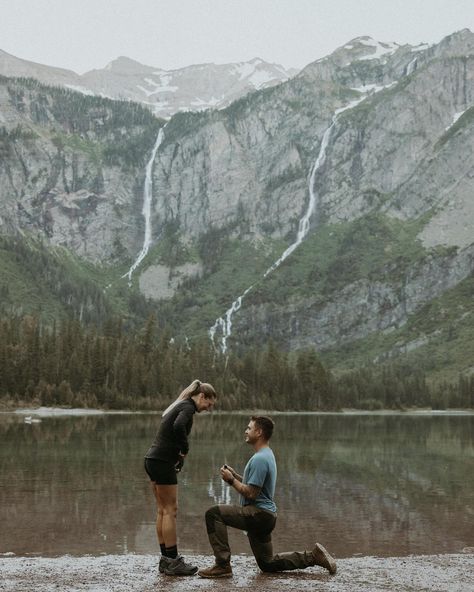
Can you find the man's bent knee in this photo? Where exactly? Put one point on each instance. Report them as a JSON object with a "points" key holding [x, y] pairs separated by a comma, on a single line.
{"points": [[212, 515]]}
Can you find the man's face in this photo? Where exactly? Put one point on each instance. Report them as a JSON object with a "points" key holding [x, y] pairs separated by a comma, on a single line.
{"points": [[252, 433]]}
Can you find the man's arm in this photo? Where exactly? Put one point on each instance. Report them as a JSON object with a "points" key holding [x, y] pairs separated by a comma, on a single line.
{"points": [[248, 491]]}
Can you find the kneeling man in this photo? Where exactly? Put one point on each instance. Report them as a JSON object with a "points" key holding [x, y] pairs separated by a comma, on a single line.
{"points": [[257, 512]]}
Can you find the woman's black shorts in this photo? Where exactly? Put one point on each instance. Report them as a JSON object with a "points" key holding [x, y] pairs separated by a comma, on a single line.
{"points": [[161, 472]]}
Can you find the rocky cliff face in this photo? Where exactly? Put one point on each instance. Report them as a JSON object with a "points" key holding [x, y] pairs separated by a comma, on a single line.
{"points": [[259, 152], [361, 308], [395, 126], [72, 168], [404, 150]]}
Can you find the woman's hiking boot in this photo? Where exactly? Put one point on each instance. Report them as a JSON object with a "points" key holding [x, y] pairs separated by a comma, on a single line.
{"points": [[164, 561], [178, 567]]}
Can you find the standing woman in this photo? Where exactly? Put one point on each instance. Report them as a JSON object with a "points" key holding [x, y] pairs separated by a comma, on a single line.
{"points": [[165, 459]]}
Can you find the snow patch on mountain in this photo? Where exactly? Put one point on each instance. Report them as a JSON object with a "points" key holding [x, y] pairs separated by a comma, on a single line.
{"points": [[456, 116], [201, 103], [420, 47], [371, 88], [381, 49], [81, 89]]}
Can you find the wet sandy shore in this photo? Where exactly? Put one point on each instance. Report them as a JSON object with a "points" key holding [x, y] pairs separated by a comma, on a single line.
{"points": [[138, 573]]}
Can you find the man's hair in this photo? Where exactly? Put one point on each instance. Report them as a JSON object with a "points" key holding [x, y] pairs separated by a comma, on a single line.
{"points": [[265, 424]]}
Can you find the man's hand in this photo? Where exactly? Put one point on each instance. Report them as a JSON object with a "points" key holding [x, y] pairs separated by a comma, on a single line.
{"points": [[227, 474], [229, 468]]}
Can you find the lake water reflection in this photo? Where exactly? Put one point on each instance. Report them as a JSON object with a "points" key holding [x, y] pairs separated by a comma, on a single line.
{"points": [[361, 484]]}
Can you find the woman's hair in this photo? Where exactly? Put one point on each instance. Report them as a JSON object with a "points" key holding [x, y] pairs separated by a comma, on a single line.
{"points": [[194, 388]]}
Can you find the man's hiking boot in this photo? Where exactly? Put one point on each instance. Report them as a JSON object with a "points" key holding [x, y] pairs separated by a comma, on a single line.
{"points": [[324, 559], [216, 571], [178, 567], [164, 561]]}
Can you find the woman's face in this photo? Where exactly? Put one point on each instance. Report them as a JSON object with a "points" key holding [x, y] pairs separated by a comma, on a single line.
{"points": [[203, 403]]}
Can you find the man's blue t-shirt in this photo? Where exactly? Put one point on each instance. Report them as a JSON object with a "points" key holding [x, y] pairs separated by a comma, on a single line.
{"points": [[261, 471]]}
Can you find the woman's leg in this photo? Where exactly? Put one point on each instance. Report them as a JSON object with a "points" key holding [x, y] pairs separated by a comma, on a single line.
{"points": [[159, 517], [167, 503], [167, 500]]}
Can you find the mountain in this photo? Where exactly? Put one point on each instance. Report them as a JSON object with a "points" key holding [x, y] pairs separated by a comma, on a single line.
{"points": [[333, 210], [16, 67], [165, 92]]}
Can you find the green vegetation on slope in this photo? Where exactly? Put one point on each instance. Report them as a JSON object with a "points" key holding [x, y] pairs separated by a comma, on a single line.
{"points": [[230, 266], [114, 133], [372, 247], [52, 283]]}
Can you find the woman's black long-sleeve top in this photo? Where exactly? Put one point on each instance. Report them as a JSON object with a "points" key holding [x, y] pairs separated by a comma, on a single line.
{"points": [[172, 435]]}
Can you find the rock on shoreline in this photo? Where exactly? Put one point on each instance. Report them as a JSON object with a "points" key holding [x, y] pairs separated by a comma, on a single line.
{"points": [[139, 573]]}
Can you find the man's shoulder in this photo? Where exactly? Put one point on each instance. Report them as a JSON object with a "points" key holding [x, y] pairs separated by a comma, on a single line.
{"points": [[264, 455]]}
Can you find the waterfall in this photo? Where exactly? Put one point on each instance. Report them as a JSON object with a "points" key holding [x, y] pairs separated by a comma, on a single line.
{"points": [[411, 67], [146, 209], [225, 323]]}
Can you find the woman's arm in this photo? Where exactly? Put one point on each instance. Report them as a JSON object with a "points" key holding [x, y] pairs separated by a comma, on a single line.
{"points": [[180, 429]]}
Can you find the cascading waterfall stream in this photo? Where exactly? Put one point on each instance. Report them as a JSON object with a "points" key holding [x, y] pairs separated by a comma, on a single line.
{"points": [[411, 67], [146, 209], [225, 323]]}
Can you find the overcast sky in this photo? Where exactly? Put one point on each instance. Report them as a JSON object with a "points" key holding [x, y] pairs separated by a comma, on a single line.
{"points": [[84, 34]]}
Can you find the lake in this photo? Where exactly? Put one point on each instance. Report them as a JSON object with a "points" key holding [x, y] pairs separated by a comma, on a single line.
{"points": [[361, 484]]}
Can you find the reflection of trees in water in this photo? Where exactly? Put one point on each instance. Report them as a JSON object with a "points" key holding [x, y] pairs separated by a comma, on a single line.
{"points": [[78, 485], [80, 481]]}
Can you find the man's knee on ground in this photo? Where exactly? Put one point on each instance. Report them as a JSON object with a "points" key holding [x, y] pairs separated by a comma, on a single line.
{"points": [[267, 566], [212, 515]]}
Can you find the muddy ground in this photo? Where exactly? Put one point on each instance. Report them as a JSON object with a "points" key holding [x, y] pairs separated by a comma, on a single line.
{"points": [[139, 573]]}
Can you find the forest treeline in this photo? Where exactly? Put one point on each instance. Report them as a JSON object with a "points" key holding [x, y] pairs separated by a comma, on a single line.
{"points": [[74, 365]]}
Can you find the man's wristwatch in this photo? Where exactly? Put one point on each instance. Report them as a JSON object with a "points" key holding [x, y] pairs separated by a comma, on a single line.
{"points": [[231, 481]]}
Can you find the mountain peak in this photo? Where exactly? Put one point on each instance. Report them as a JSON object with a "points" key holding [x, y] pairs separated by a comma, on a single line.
{"points": [[459, 43], [364, 39], [125, 65], [370, 42]]}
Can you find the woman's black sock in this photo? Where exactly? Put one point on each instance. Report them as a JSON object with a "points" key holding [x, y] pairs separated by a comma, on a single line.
{"points": [[172, 552], [163, 549]]}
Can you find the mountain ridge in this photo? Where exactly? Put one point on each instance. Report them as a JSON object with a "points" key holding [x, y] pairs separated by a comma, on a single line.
{"points": [[165, 92], [389, 236]]}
